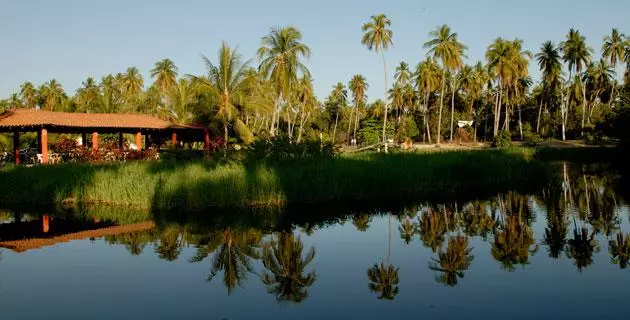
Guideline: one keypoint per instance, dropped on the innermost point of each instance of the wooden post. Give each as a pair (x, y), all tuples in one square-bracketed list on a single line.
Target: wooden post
[(94, 142), (84, 142), (206, 140), (139, 140), (16, 146), (39, 141), (120, 140), (174, 139), (43, 145)]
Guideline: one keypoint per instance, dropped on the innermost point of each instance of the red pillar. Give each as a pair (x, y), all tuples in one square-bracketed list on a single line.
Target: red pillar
[(139, 140), (16, 147), (45, 223), (174, 139), (43, 145), (95, 142)]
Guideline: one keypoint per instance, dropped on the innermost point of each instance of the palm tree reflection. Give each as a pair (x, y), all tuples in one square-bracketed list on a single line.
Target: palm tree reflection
[(582, 247), (619, 249), (452, 263), (285, 273), (512, 245), (384, 280), (232, 252)]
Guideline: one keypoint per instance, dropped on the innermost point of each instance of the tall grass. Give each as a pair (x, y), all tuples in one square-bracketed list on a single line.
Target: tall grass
[(195, 185)]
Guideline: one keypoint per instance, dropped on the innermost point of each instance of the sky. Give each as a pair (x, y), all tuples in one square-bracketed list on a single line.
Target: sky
[(74, 39)]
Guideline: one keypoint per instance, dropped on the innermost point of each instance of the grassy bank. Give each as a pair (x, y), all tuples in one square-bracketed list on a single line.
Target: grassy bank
[(194, 185)]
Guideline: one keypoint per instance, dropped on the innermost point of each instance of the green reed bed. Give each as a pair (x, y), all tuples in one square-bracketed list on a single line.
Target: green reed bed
[(200, 184)]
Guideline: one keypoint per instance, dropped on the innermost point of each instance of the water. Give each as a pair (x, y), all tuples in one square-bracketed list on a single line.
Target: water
[(542, 254)]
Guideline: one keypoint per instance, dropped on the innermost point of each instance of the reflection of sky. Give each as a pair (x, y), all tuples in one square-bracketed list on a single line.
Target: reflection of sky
[(92, 279)]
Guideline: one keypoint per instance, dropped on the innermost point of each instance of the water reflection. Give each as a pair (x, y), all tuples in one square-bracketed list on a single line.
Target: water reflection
[(579, 213)]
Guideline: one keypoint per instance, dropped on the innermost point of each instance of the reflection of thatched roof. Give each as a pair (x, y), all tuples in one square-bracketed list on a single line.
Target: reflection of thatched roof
[(28, 244)]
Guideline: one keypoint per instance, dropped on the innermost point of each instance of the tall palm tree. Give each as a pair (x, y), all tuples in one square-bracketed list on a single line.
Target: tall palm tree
[(165, 73), (280, 58), (445, 47), (597, 78), (615, 48), (227, 81), (378, 37), (338, 97), (52, 93), (285, 273), (307, 102), (181, 96), (403, 75), (427, 81), (452, 262), (28, 93), (358, 86), (578, 55), (132, 83), (549, 62), (87, 97)]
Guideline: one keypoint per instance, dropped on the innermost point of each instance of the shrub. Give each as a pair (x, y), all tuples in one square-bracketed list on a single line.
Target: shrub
[(532, 139), (371, 131), (502, 140), (281, 148)]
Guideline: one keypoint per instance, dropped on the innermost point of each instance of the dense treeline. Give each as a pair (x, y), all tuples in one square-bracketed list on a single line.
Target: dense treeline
[(578, 95)]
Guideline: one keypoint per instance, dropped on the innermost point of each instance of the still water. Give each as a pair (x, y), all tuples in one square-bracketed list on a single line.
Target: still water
[(561, 251)]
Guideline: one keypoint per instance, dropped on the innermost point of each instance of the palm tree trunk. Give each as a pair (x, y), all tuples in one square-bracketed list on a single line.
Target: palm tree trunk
[(441, 105), (225, 137), (428, 119), (335, 128), (539, 112), (349, 126), (385, 115), (356, 123), (520, 123), (583, 103), (497, 110), (452, 109)]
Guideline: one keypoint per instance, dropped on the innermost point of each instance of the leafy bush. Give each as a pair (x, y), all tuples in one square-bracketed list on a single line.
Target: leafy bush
[(182, 154), (532, 139), (408, 129), (502, 140), (371, 131), (281, 148)]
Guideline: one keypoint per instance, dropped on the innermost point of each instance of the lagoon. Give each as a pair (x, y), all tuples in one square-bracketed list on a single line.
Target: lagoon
[(516, 253)]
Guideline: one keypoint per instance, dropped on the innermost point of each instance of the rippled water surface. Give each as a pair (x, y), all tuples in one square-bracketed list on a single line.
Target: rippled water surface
[(558, 252)]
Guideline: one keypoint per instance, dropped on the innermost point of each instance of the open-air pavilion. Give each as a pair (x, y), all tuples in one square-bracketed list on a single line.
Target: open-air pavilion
[(45, 122)]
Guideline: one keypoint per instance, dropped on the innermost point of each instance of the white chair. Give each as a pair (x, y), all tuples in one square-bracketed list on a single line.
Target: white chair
[(40, 158)]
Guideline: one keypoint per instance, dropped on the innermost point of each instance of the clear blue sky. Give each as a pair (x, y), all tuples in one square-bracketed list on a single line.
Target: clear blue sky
[(74, 39)]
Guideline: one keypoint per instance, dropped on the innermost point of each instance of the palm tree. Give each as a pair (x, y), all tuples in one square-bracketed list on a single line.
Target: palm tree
[(338, 97), (227, 81), (403, 75), (427, 80), (358, 86), (407, 230), (181, 96), (551, 67), (28, 93), (378, 37), (280, 57), (87, 97), (52, 93), (285, 273), (132, 83), (614, 49), (361, 221), (578, 55), (307, 101), (512, 245), (597, 78), (445, 46), (383, 280), (453, 262), (165, 73)]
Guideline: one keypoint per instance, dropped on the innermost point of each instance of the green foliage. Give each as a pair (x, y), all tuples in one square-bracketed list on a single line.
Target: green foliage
[(407, 129), (243, 132), (283, 149), (5, 143), (168, 185), (502, 140), (371, 131), (532, 139)]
